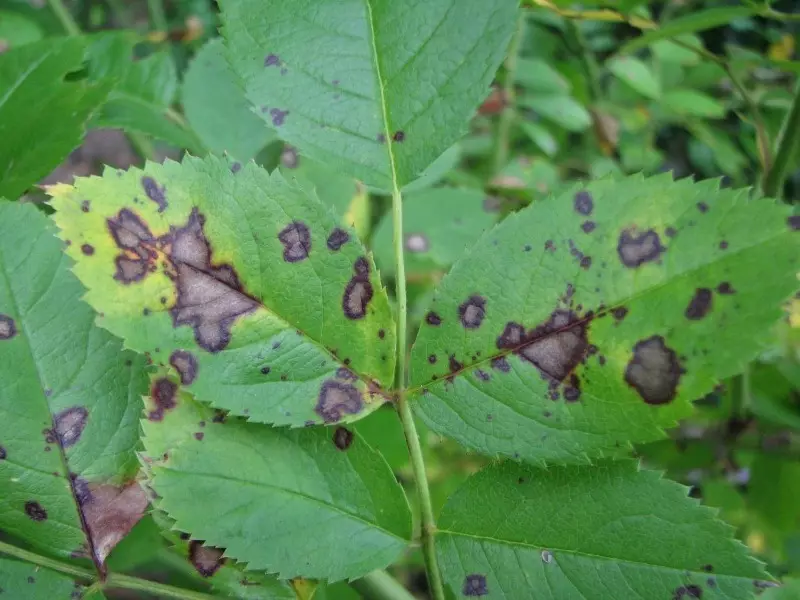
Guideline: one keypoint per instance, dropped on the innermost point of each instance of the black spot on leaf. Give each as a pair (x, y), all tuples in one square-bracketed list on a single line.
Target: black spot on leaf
[(8, 328), (87, 249), (164, 394), (69, 425), (794, 222), (725, 288), (205, 559), (654, 371), (199, 435), (381, 138), (337, 239), (236, 167), (588, 226), (475, 585), (482, 375), (358, 292), (500, 363), (296, 240), (272, 60), (381, 333), (155, 193), (86, 206), (635, 250), (35, 511), (453, 364), (619, 313), (185, 364), (346, 374), (723, 245), (583, 203), (432, 359), (433, 319), (700, 304), (399, 136), (137, 246), (685, 592), (472, 312), (337, 399), (342, 438), (278, 116), (670, 232), (265, 370), (3, 453)]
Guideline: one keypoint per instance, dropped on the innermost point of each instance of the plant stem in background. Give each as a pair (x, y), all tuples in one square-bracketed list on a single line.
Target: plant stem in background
[(157, 15), (508, 98), (788, 149), (428, 526), (379, 585), (64, 16)]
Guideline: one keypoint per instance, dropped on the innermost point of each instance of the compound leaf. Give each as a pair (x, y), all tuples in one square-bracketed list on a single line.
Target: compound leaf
[(594, 318), (275, 498), (33, 84), (376, 88), (246, 284), (609, 531), (70, 399)]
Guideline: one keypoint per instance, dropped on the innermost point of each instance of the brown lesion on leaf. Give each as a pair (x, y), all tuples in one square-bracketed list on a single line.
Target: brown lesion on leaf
[(87, 249), (472, 311), (700, 304), (69, 425), (137, 246), (155, 193), (342, 438), (725, 289), (109, 512), (583, 203), (206, 560), (337, 399), (475, 585), (35, 511), (358, 292), (8, 327), (296, 240), (338, 238), (793, 222), (654, 371), (635, 249), (432, 318), (185, 364), (164, 395)]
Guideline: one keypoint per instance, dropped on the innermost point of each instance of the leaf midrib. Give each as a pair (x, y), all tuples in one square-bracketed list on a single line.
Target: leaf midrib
[(584, 320)]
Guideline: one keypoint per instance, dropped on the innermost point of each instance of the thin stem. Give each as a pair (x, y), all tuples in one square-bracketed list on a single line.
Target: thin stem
[(788, 147), (404, 410), (66, 18), (508, 97), (113, 580), (157, 15), (379, 585)]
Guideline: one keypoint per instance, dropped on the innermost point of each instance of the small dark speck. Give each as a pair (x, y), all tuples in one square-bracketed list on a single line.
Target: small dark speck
[(31, 580), (588, 226), (432, 359), (284, 377), (702, 207), (85, 206), (381, 138), (199, 436), (272, 60), (381, 333), (236, 167), (265, 370), (475, 585), (87, 249), (794, 222), (146, 312), (399, 136), (670, 232), (723, 245), (528, 248)]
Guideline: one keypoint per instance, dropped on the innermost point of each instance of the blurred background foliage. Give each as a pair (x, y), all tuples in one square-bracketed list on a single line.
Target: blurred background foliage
[(700, 88)]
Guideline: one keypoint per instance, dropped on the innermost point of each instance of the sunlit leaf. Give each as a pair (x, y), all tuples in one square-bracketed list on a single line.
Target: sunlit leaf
[(594, 318)]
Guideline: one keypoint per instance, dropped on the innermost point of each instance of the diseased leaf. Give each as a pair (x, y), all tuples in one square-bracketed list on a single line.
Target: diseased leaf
[(215, 106), (144, 88), (245, 284), (70, 399), (279, 500), (32, 80), (594, 318), (376, 88), (25, 581), (606, 531), (438, 225)]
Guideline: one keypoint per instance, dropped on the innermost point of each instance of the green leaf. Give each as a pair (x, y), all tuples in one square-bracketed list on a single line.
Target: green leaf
[(537, 75), (540, 136), (606, 531), (373, 88), (277, 499), (789, 590), (561, 110), (438, 224), (70, 402), (637, 75), (692, 103), (691, 23), (17, 30), (594, 318), (772, 492), (215, 106), (25, 581), (143, 91), (246, 284), (668, 51), (42, 116)]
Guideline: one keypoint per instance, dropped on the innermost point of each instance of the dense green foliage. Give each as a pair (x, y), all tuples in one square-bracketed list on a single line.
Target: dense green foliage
[(498, 297)]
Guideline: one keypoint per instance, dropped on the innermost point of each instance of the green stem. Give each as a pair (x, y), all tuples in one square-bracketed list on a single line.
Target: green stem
[(508, 98), (379, 585), (788, 147), (428, 528), (157, 15), (63, 15), (112, 581)]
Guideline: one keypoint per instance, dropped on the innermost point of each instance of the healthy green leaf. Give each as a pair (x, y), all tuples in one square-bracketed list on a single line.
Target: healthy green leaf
[(636, 74), (24, 581), (438, 225), (691, 23), (536, 75), (594, 318), (215, 106), (143, 91), (540, 136), (789, 590), (33, 85), (692, 103), (17, 30), (606, 531), (561, 110), (246, 284), (280, 500), (376, 88), (70, 401)]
